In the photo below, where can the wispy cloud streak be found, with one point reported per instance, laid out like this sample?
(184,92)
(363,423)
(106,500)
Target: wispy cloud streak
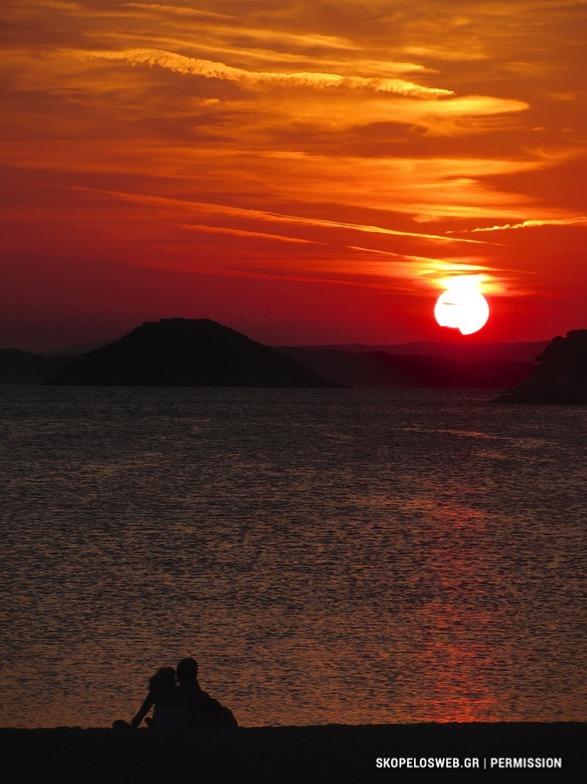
(530,224)
(211,69)
(270,217)
(246,233)
(434,272)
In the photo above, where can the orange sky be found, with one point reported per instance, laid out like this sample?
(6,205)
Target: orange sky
(306,172)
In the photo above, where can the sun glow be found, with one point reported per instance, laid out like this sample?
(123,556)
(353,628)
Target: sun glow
(462,306)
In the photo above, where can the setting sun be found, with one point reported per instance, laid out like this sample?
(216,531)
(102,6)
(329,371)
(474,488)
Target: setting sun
(462,306)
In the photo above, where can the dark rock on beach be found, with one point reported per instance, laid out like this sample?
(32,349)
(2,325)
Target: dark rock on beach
(300,755)
(560,376)
(187,352)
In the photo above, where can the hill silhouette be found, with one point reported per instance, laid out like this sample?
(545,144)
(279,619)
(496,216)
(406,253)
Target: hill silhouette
(559,377)
(171,353)
(187,352)
(204,359)
(461,351)
(382,369)
(25,367)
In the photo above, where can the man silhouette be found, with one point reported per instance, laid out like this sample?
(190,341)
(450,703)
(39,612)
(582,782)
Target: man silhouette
(204,711)
(187,676)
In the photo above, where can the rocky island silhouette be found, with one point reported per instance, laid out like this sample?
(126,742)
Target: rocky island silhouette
(187,352)
(560,375)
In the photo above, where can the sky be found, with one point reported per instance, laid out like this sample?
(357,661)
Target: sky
(309,172)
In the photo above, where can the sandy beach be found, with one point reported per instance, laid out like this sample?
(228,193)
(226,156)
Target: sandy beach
(416,753)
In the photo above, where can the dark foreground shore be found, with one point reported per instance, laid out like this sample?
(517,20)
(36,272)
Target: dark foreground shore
(301,755)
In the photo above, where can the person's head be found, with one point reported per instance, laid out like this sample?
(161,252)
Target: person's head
(164,678)
(187,670)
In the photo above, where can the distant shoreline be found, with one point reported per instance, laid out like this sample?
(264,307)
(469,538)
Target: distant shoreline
(419,753)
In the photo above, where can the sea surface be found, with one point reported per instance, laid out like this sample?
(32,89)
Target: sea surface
(329,556)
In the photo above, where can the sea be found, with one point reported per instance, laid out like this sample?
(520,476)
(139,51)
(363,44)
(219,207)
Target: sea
(329,556)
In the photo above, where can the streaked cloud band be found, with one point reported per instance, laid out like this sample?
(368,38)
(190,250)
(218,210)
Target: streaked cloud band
(211,69)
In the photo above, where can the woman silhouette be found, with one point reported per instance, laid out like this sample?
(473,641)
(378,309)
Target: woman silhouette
(170,705)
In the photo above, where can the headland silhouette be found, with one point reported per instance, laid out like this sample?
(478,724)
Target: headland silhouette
(560,375)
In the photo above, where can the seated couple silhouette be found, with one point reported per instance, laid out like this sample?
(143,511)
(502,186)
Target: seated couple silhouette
(178,701)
